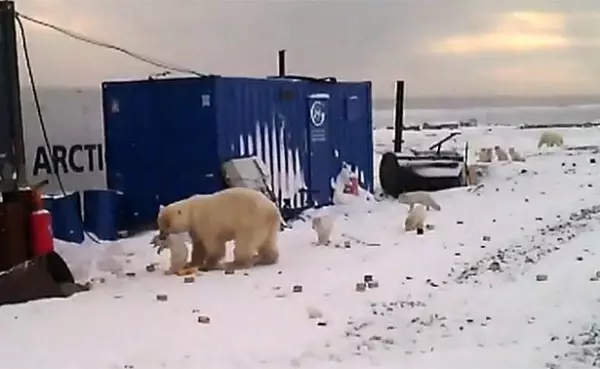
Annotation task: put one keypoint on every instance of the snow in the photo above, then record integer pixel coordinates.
(319, 96)
(438, 303)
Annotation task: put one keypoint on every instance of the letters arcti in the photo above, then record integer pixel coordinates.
(77, 158)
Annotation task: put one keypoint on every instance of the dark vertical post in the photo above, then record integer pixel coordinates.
(281, 63)
(399, 116)
(12, 152)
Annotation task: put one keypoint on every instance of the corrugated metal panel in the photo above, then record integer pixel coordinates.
(319, 121)
(161, 143)
(130, 148)
(266, 118)
(354, 129)
(186, 129)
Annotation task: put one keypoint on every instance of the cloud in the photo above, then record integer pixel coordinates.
(513, 32)
(529, 20)
(46, 10)
(501, 42)
(526, 78)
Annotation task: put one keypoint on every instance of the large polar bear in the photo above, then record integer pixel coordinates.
(241, 214)
(550, 139)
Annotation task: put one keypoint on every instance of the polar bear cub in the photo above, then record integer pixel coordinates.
(415, 220)
(500, 153)
(550, 139)
(418, 197)
(243, 215)
(515, 155)
(485, 155)
(178, 252)
(323, 226)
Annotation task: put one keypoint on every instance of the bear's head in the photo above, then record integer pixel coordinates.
(173, 218)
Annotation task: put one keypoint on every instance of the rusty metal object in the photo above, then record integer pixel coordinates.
(15, 240)
(42, 277)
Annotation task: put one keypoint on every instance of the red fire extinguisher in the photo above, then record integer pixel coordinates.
(42, 240)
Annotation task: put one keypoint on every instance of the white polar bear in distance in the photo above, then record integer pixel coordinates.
(550, 139)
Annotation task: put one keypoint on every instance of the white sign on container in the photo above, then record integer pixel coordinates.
(73, 120)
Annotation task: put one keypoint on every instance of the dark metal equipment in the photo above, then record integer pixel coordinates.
(430, 170)
(399, 116)
(12, 153)
(281, 63)
(16, 203)
(23, 277)
(42, 277)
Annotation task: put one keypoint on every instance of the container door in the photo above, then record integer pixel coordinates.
(130, 149)
(319, 148)
(189, 147)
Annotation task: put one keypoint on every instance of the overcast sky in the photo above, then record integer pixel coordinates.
(440, 47)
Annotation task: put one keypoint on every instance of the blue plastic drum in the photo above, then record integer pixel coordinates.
(67, 223)
(101, 213)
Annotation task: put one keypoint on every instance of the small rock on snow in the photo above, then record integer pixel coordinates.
(190, 279)
(541, 277)
(203, 319)
(297, 288)
(162, 297)
(494, 266)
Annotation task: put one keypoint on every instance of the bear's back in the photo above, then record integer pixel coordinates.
(237, 204)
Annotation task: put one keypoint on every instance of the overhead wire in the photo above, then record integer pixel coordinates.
(89, 40)
(106, 45)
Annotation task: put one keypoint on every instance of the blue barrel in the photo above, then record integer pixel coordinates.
(67, 223)
(101, 213)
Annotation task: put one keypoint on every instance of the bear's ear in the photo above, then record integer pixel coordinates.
(160, 206)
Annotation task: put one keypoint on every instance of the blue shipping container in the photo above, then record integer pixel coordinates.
(166, 139)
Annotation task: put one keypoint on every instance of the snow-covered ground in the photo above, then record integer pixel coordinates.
(464, 295)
